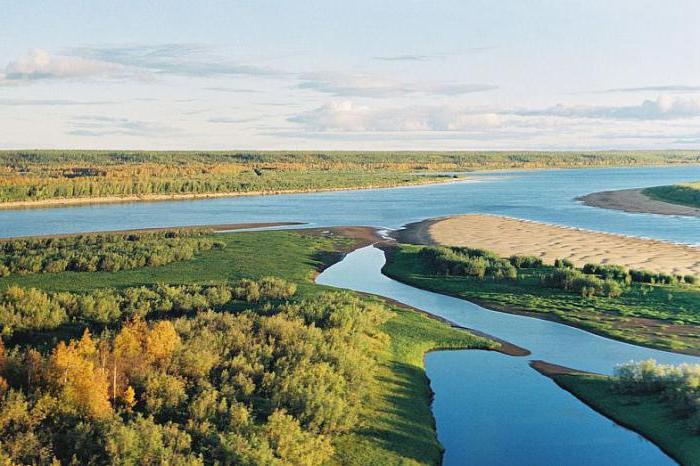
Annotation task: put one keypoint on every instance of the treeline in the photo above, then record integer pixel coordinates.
(28, 309)
(684, 194)
(589, 281)
(607, 279)
(38, 175)
(462, 261)
(102, 252)
(676, 385)
(270, 387)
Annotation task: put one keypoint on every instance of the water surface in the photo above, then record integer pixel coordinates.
(536, 195)
(494, 409)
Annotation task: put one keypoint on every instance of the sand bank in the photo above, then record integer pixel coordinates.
(634, 200)
(507, 236)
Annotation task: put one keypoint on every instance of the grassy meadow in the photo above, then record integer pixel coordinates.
(660, 316)
(687, 194)
(394, 422)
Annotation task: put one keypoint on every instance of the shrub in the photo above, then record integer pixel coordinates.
(525, 262)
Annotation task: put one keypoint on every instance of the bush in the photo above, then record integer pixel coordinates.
(470, 262)
(563, 264)
(526, 262)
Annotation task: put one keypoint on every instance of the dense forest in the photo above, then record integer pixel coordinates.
(683, 194)
(213, 360)
(266, 385)
(42, 175)
(108, 252)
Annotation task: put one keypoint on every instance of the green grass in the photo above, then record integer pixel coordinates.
(645, 414)
(397, 424)
(687, 194)
(665, 317)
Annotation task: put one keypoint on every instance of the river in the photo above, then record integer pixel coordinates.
(490, 408)
(493, 409)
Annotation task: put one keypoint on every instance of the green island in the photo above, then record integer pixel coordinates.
(231, 355)
(50, 177)
(655, 310)
(687, 194)
(657, 401)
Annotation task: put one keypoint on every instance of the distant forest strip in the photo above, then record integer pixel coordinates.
(67, 174)
(687, 194)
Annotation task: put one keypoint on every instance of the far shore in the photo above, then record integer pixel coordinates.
(509, 236)
(218, 227)
(635, 201)
(76, 201)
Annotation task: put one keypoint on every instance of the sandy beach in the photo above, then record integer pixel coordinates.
(634, 200)
(508, 236)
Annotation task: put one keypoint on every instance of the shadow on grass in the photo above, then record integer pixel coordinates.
(406, 424)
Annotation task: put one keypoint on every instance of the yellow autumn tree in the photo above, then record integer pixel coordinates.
(162, 341)
(74, 369)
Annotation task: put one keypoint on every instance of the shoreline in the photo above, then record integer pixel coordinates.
(635, 201)
(219, 228)
(495, 307)
(82, 201)
(554, 372)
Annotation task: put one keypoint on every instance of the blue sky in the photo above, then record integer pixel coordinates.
(557, 74)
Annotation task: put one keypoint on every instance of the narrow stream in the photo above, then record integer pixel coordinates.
(494, 409)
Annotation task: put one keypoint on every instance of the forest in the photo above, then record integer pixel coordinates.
(108, 252)
(213, 360)
(41, 175)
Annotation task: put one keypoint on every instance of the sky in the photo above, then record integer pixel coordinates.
(350, 75)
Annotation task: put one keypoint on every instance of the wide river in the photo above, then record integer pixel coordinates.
(490, 409)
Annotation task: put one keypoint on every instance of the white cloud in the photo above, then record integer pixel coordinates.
(664, 107)
(39, 64)
(364, 85)
(349, 117)
(99, 125)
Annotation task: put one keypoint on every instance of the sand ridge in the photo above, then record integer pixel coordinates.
(508, 236)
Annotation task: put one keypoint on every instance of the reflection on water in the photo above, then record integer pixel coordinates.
(494, 409)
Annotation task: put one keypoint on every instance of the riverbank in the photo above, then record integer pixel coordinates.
(223, 227)
(660, 317)
(647, 415)
(77, 201)
(508, 236)
(636, 201)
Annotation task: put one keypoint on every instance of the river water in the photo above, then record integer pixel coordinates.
(493, 409)
(537, 195)
(490, 409)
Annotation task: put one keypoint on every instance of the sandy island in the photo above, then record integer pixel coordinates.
(507, 236)
(634, 200)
